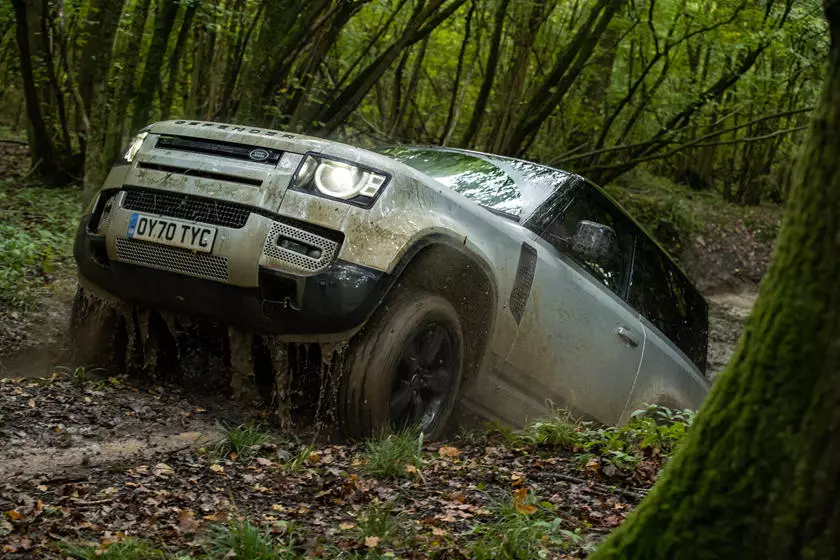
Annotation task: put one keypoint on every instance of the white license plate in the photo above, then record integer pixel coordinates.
(176, 233)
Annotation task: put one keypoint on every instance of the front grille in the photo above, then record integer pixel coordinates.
(186, 207)
(293, 259)
(256, 154)
(172, 259)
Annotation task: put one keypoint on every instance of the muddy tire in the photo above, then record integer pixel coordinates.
(97, 332)
(404, 369)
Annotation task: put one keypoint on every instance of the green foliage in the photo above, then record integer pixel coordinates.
(559, 430)
(659, 205)
(128, 549)
(245, 440)
(522, 527)
(36, 234)
(652, 431)
(239, 539)
(394, 455)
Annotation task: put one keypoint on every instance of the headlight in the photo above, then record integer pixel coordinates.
(133, 147)
(338, 179)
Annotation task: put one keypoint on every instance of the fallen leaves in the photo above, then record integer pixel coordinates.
(372, 542)
(162, 469)
(519, 497)
(451, 452)
(187, 522)
(176, 496)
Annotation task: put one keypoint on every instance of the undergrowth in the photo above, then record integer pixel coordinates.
(36, 236)
(522, 527)
(654, 431)
(128, 549)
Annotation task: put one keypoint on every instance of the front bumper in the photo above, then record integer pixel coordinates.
(335, 301)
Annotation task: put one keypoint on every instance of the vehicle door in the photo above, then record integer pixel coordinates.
(579, 344)
(676, 333)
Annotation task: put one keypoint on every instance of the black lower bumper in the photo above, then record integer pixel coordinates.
(335, 301)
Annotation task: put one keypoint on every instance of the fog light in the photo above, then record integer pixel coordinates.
(298, 247)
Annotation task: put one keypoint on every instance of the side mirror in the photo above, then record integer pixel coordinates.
(595, 242)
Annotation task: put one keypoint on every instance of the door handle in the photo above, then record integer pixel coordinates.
(627, 336)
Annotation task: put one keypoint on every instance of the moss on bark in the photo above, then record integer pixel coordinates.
(759, 474)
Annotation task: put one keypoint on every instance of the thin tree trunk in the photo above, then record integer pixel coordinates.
(759, 474)
(175, 60)
(489, 76)
(122, 96)
(454, 100)
(40, 143)
(164, 21)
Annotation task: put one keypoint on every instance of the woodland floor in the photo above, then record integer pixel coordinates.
(93, 460)
(90, 460)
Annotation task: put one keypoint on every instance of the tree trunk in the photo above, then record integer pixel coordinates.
(759, 473)
(99, 157)
(454, 102)
(164, 21)
(40, 141)
(100, 29)
(175, 60)
(489, 76)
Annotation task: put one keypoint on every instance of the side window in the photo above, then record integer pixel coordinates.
(667, 299)
(597, 236)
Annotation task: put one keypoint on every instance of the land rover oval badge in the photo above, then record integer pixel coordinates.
(259, 154)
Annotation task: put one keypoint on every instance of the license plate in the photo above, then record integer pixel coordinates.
(175, 233)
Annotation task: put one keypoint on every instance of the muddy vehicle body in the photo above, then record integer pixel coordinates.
(424, 277)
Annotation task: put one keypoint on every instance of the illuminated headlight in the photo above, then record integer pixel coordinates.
(133, 147)
(338, 179)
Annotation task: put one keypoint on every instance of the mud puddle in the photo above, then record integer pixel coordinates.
(68, 423)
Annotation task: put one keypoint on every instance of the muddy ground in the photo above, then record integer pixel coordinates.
(90, 459)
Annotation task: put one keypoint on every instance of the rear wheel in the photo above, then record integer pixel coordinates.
(404, 369)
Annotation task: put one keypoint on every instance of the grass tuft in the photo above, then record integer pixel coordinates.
(242, 540)
(378, 520)
(244, 440)
(128, 549)
(523, 527)
(561, 430)
(394, 455)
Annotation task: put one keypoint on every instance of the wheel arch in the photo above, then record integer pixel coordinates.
(465, 279)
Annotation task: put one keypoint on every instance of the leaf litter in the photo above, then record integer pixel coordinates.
(174, 495)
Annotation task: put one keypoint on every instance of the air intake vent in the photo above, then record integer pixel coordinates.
(200, 173)
(182, 261)
(186, 207)
(243, 152)
(524, 279)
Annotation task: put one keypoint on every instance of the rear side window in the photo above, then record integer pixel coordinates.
(666, 298)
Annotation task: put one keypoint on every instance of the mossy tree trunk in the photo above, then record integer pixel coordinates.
(759, 474)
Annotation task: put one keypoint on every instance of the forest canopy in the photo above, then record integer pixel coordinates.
(712, 94)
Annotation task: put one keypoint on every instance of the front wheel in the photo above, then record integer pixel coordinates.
(404, 369)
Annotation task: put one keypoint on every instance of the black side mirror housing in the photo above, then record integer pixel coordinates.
(595, 242)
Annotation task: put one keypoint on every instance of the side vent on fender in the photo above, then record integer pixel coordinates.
(522, 284)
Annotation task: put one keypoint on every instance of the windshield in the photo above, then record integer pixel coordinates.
(506, 185)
